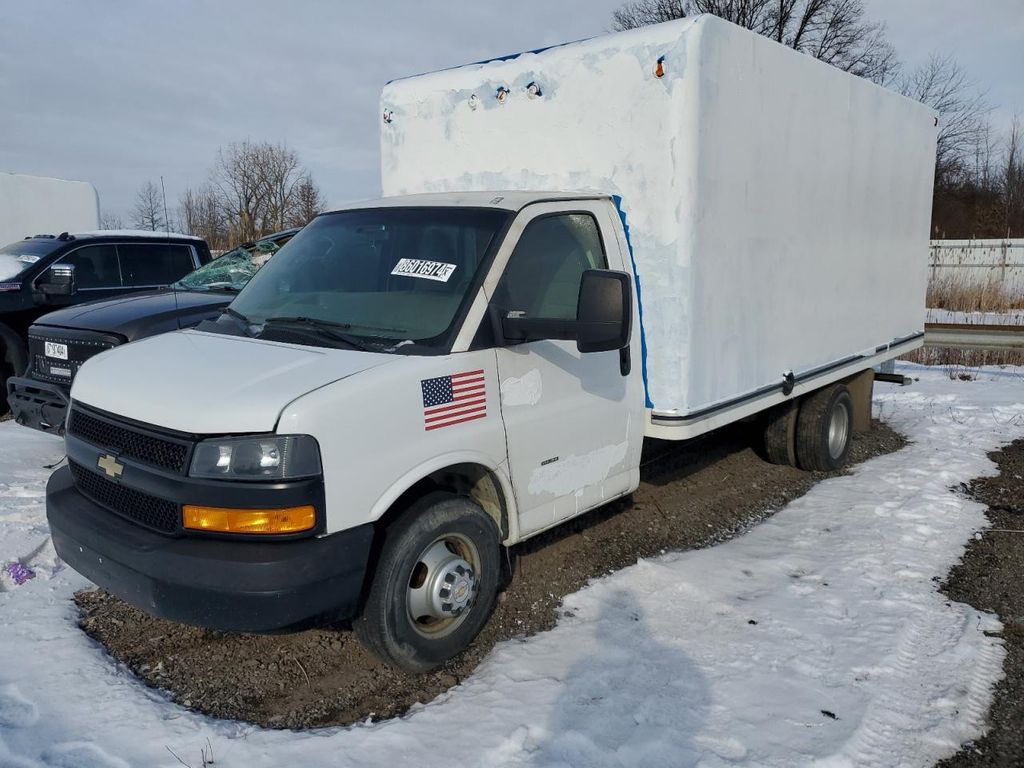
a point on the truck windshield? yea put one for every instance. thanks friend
(22, 254)
(384, 275)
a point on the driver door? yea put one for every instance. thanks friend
(573, 421)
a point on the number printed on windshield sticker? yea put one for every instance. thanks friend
(428, 270)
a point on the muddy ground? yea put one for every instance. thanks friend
(690, 497)
(991, 578)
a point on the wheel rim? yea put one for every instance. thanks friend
(838, 430)
(443, 585)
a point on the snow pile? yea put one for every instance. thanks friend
(816, 638)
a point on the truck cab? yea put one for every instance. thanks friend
(445, 331)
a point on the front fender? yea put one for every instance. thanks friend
(437, 463)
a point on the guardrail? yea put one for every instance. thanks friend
(965, 336)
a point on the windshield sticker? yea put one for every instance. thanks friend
(10, 286)
(427, 270)
(27, 258)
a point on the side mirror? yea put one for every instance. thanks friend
(604, 312)
(59, 280)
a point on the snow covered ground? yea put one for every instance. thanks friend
(818, 638)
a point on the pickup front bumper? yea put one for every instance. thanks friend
(38, 404)
(225, 584)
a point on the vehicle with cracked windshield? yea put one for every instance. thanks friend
(60, 342)
(417, 383)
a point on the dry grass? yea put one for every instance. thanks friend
(957, 362)
(991, 296)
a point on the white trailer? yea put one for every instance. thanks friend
(34, 205)
(730, 228)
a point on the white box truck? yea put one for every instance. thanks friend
(729, 228)
(32, 205)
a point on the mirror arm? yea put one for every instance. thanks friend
(522, 329)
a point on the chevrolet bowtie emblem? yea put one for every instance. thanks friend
(110, 465)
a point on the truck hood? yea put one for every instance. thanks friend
(205, 383)
(140, 314)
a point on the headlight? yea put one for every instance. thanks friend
(265, 457)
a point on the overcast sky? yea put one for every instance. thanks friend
(117, 92)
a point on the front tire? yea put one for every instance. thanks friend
(824, 426)
(434, 585)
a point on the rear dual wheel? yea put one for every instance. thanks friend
(823, 429)
(812, 433)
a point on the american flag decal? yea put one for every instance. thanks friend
(449, 400)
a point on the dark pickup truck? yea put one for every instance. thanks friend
(60, 342)
(42, 273)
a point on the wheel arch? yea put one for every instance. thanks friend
(465, 474)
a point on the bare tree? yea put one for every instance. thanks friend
(238, 183)
(111, 221)
(1013, 179)
(943, 85)
(148, 212)
(834, 31)
(281, 176)
(260, 188)
(308, 203)
(201, 215)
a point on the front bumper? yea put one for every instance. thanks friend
(230, 585)
(38, 404)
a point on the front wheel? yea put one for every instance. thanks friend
(434, 585)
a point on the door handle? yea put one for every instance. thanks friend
(625, 362)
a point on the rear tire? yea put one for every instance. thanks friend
(780, 434)
(824, 426)
(434, 584)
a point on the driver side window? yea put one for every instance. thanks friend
(96, 266)
(543, 275)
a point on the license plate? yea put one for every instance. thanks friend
(59, 351)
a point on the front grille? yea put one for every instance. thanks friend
(58, 370)
(153, 512)
(160, 452)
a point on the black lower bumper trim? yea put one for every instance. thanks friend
(38, 404)
(240, 586)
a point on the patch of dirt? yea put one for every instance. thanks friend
(991, 578)
(691, 496)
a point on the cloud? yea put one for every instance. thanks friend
(124, 91)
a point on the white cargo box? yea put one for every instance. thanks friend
(777, 208)
(34, 205)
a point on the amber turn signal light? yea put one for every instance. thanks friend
(222, 520)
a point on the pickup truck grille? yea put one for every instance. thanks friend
(57, 370)
(167, 453)
(153, 512)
